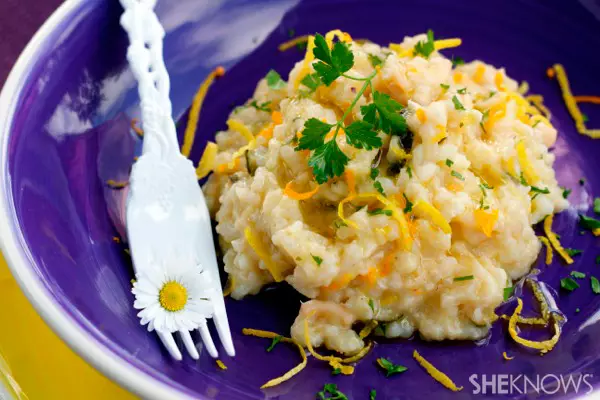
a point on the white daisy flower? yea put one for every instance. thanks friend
(174, 298)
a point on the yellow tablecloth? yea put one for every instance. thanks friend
(37, 360)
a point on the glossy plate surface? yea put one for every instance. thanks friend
(69, 133)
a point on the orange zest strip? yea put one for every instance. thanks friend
(436, 373)
(194, 116)
(271, 335)
(292, 42)
(587, 99)
(263, 252)
(350, 181)
(291, 193)
(486, 220)
(136, 128)
(549, 253)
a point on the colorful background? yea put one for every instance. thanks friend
(34, 362)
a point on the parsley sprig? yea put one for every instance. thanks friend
(331, 392)
(328, 160)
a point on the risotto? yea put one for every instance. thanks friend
(385, 184)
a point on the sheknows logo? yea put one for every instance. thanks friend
(539, 384)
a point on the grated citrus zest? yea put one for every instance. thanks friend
(292, 42)
(587, 99)
(221, 365)
(526, 166)
(350, 181)
(447, 43)
(423, 209)
(291, 193)
(478, 75)
(554, 241)
(367, 329)
(335, 362)
(436, 373)
(138, 131)
(486, 220)
(270, 335)
(506, 357)
(239, 127)
(308, 58)
(194, 115)
(549, 252)
(208, 160)
(116, 184)
(544, 346)
(263, 253)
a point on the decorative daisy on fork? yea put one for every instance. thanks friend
(174, 298)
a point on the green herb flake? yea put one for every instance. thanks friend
(577, 274)
(457, 104)
(380, 211)
(378, 187)
(457, 175)
(375, 61)
(390, 367)
(311, 81)
(597, 205)
(595, 284)
(508, 292)
(374, 173)
(464, 278)
(274, 80)
(536, 123)
(372, 394)
(535, 189)
(261, 107)
(597, 259)
(409, 172)
(449, 162)
(291, 32)
(566, 192)
(425, 48)
(372, 305)
(568, 284)
(573, 252)
(584, 117)
(318, 260)
(336, 371)
(577, 310)
(331, 392)
(589, 223)
(457, 61)
(409, 205)
(274, 342)
(444, 86)
(462, 91)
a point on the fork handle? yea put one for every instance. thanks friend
(145, 56)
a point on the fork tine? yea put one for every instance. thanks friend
(222, 324)
(189, 344)
(208, 342)
(170, 345)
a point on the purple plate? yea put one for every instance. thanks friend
(65, 115)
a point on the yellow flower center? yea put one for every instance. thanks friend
(172, 296)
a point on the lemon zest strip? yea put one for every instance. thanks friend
(292, 42)
(549, 252)
(116, 184)
(506, 357)
(239, 127)
(436, 373)
(221, 365)
(525, 164)
(425, 210)
(554, 241)
(335, 362)
(190, 129)
(263, 253)
(207, 161)
(229, 286)
(544, 346)
(270, 335)
(367, 329)
(447, 43)
(291, 193)
(308, 58)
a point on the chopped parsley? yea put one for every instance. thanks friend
(457, 61)
(457, 175)
(595, 285)
(274, 342)
(336, 371)
(597, 259)
(374, 173)
(384, 114)
(568, 284)
(291, 32)
(378, 187)
(566, 192)
(311, 81)
(577, 274)
(588, 223)
(274, 80)
(584, 117)
(380, 211)
(409, 172)
(449, 162)
(536, 123)
(577, 310)
(508, 292)
(375, 61)
(390, 367)
(523, 180)
(464, 278)
(318, 260)
(331, 392)
(425, 48)
(409, 205)
(457, 104)
(372, 394)
(535, 189)
(597, 205)
(462, 91)
(261, 107)
(444, 86)
(573, 252)
(372, 305)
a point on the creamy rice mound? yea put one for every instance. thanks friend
(463, 163)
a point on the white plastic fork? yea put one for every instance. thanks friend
(166, 212)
